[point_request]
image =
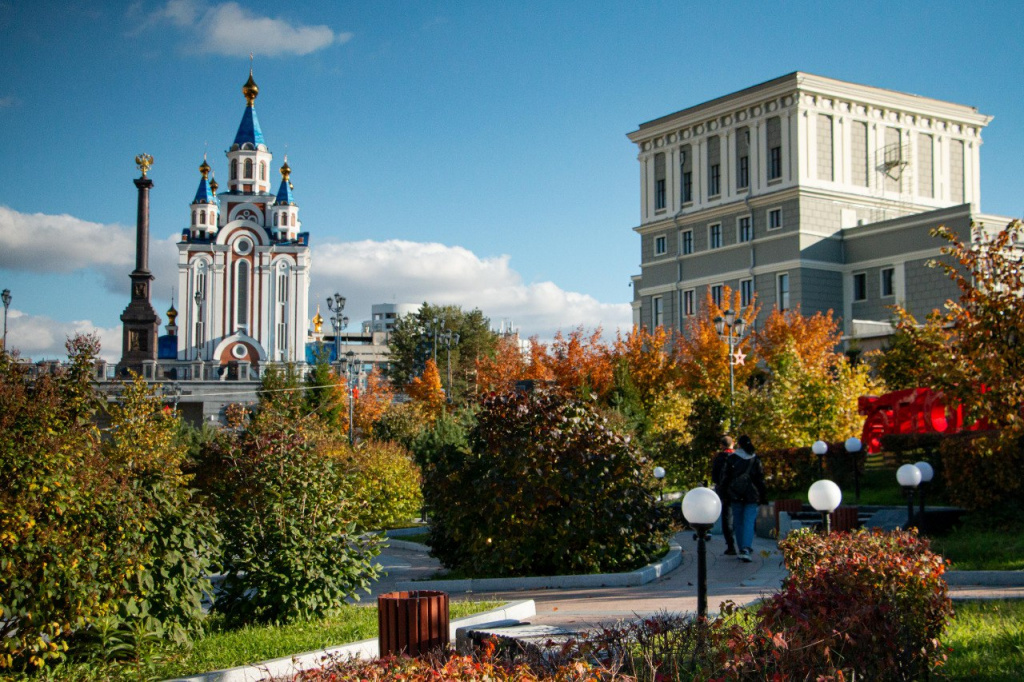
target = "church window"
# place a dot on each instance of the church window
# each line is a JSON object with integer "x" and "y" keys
{"x": 234, "y": 169}
{"x": 248, "y": 168}
{"x": 193, "y": 217}
{"x": 263, "y": 170}
{"x": 202, "y": 217}
{"x": 242, "y": 294}
{"x": 293, "y": 219}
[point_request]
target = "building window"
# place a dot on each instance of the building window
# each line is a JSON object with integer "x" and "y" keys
{"x": 282, "y": 337}
{"x": 656, "y": 311}
{"x": 660, "y": 248}
{"x": 242, "y": 294}
{"x": 783, "y": 291}
{"x": 716, "y": 295}
{"x": 687, "y": 183}
{"x": 689, "y": 309}
{"x": 746, "y": 292}
{"x": 715, "y": 236}
{"x": 860, "y": 286}
{"x": 744, "y": 231}
{"x": 234, "y": 169}
{"x": 775, "y": 163}
{"x": 743, "y": 173}
{"x": 685, "y": 175}
{"x": 714, "y": 147}
{"x": 263, "y": 170}
{"x": 687, "y": 242}
{"x": 774, "y": 218}
{"x": 193, "y": 217}
{"x": 659, "y": 182}
{"x": 714, "y": 178}
{"x": 888, "y": 284}
{"x": 248, "y": 168}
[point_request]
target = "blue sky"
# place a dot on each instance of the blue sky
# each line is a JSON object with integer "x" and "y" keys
{"x": 462, "y": 152}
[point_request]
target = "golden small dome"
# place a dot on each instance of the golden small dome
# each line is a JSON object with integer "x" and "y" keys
{"x": 318, "y": 321}
{"x": 286, "y": 170}
{"x": 250, "y": 89}
{"x": 171, "y": 315}
{"x": 213, "y": 185}
{"x": 205, "y": 168}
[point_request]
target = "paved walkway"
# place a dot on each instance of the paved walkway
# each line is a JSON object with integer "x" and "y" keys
{"x": 728, "y": 579}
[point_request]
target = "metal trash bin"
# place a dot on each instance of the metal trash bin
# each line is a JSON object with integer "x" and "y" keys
{"x": 412, "y": 623}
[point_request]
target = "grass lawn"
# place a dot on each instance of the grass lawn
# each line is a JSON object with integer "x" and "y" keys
{"x": 984, "y": 543}
{"x": 987, "y": 638}
{"x": 420, "y": 538}
{"x": 229, "y": 648}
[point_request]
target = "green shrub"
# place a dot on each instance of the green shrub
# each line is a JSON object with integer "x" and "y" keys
{"x": 288, "y": 512}
{"x": 864, "y": 605}
{"x": 545, "y": 487}
{"x": 981, "y": 470}
{"x": 386, "y": 485}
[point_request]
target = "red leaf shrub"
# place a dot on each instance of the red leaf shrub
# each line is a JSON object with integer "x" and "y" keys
{"x": 980, "y": 470}
{"x": 866, "y": 604}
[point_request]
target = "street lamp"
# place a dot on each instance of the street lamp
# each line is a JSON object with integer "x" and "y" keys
{"x": 825, "y": 496}
{"x": 731, "y": 327}
{"x": 336, "y": 305}
{"x": 200, "y": 327}
{"x": 927, "y": 474}
{"x": 659, "y": 475}
{"x": 352, "y": 374}
{"x": 819, "y": 448}
{"x": 6, "y": 296}
{"x": 701, "y": 508}
{"x": 909, "y": 476}
{"x": 853, "y": 446}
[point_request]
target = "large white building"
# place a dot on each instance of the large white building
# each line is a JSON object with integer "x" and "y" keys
{"x": 807, "y": 191}
{"x": 243, "y": 261}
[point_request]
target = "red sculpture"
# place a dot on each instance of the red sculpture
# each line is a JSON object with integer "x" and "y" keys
{"x": 912, "y": 410}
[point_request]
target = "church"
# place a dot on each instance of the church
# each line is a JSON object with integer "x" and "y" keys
{"x": 243, "y": 264}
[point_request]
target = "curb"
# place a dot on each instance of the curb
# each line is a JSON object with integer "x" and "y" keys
{"x": 984, "y": 578}
{"x": 367, "y": 648}
{"x": 641, "y": 576}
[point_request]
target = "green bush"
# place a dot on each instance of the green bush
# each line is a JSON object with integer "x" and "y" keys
{"x": 981, "y": 471}
{"x": 855, "y": 605}
{"x": 288, "y": 513}
{"x": 545, "y": 487}
{"x": 386, "y": 485}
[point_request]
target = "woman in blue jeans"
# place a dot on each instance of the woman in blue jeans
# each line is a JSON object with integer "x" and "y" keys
{"x": 743, "y": 483}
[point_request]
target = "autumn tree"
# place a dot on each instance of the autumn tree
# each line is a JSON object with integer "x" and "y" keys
{"x": 979, "y": 339}
{"x": 372, "y": 403}
{"x": 500, "y": 372}
{"x": 426, "y": 392}
{"x": 581, "y": 365}
{"x": 648, "y": 358}
{"x": 538, "y": 366}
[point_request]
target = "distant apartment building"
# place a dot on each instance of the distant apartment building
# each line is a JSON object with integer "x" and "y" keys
{"x": 805, "y": 191}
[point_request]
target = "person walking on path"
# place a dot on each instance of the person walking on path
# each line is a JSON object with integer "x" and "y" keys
{"x": 717, "y": 473}
{"x": 743, "y": 483}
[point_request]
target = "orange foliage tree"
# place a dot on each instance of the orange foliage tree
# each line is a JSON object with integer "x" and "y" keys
{"x": 372, "y": 403}
{"x": 651, "y": 364}
{"x": 582, "y": 365}
{"x": 426, "y": 391}
{"x": 703, "y": 356}
{"x": 501, "y": 372}
{"x": 538, "y": 367}
{"x": 814, "y": 339}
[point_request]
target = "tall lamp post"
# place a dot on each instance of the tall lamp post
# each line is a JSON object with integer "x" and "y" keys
{"x": 200, "y": 326}
{"x": 825, "y": 496}
{"x": 336, "y": 305}
{"x": 909, "y": 477}
{"x": 701, "y": 508}
{"x": 731, "y": 328}
{"x": 819, "y": 448}
{"x": 853, "y": 447}
{"x": 6, "y": 297}
{"x": 352, "y": 373}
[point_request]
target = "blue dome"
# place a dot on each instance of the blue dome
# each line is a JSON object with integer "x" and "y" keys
{"x": 249, "y": 130}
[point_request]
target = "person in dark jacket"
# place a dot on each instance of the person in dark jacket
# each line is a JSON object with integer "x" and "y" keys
{"x": 717, "y": 472}
{"x": 743, "y": 482}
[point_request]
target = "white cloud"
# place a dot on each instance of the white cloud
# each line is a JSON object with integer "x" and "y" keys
{"x": 39, "y": 242}
{"x": 230, "y": 29}
{"x": 369, "y": 272}
{"x": 38, "y": 337}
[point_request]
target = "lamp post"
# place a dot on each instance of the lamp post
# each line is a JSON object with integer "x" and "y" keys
{"x": 853, "y": 447}
{"x": 659, "y": 476}
{"x": 434, "y": 329}
{"x": 927, "y": 474}
{"x": 200, "y": 326}
{"x": 449, "y": 339}
{"x": 731, "y": 327}
{"x": 909, "y": 476}
{"x": 352, "y": 374}
{"x": 336, "y": 306}
{"x": 6, "y": 297}
{"x": 819, "y": 448}
{"x": 701, "y": 508}
{"x": 825, "y": 496}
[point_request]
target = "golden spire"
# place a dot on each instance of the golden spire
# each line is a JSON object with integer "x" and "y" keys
{"x": 250, "y": 89}
{"x": 318, "y": 321}
{"x": 286, "y": 170}
{"x": 204, "y": 168}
